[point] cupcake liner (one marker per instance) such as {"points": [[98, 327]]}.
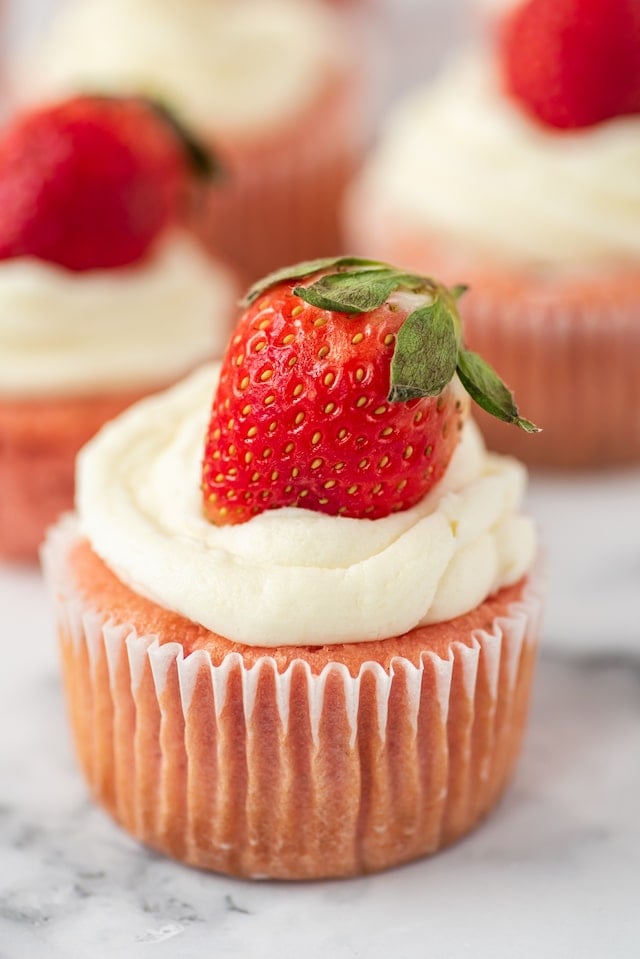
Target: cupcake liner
{"points": [[39, 440], [258, 768], [279, 199], [572, 360], [569, 347]]}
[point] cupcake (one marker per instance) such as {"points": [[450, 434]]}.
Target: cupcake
{"points": [[104, 295], [272, 84], [517, 171], [298, 627]]}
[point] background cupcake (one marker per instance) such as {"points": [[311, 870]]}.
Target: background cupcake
{"points": [[274, 85], [104, 295], [299, 692], [528, 190]]}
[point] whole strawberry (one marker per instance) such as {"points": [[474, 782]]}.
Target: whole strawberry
{"points": [[574, 63], [90, 182], [337, 394]]}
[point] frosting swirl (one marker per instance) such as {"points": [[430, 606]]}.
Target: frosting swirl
{"points": [[461, 159], [225, 66], [292, 576], [64, 333]]}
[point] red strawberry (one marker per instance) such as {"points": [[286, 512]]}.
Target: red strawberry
{"points": [[90, 182], [337, 395], [573, 63]]}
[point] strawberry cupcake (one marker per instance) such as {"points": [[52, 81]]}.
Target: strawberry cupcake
{"points": [[104, 295], [272, 84], [517, 170], [298, 627]]}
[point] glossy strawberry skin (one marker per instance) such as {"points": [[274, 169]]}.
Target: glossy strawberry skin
{"points": [[301, 417], [88, 183], [573, 63]]}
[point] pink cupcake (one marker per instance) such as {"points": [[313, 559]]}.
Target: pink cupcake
{"points": [[272, 84], [332, 677], [104, 295], [530, 194]]}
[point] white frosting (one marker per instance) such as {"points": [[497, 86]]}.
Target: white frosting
{"points": [[462, 159], [226, 66], [292, 576], [67, 333]]}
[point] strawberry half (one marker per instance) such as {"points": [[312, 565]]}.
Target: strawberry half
{"points": [[573, 63], [90, 182], [337, 394]]}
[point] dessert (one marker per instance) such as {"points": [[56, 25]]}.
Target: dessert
{"points": [[104, 294], [271, 84], [516, 170], [296, 692]]}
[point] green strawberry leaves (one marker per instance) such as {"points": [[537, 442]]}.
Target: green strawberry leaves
{"points": [[350, 292], [307, 268], [429, 331], [458, 290], [428, 350], [363, 290], [484, 386]]}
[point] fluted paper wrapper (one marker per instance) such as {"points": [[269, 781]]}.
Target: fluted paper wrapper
{"points": [[248, 770], [568, 346], [573, 362]]}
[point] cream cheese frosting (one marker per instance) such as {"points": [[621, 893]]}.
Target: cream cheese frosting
{"points": [[292, 576], [462, 159], [226, 66], [67, 333]]}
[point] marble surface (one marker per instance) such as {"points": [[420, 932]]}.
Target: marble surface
{"points": [[554, 872]]}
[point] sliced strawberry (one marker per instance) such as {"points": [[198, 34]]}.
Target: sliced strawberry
{"points": [[574, 63], [336, 394], [90, 182]]}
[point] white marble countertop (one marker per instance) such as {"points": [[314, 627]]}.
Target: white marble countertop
{"points": [[553, 873]]}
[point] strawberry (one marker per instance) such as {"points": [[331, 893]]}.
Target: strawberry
{"points": [[573, 63], [336, 394], [90, 182]]}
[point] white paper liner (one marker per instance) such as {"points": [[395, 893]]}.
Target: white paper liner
{"points": [[246, 770]]}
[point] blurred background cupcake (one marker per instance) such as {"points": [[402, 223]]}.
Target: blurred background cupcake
{"points": [[274, 85], [104, 294], [517, 169]]}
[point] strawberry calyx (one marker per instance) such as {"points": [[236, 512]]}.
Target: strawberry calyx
{"points": [[429, 348]]}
